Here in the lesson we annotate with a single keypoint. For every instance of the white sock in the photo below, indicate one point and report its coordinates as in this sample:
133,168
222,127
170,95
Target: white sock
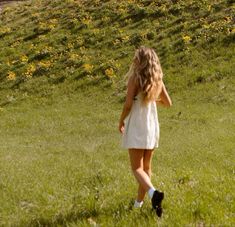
138,204
150,192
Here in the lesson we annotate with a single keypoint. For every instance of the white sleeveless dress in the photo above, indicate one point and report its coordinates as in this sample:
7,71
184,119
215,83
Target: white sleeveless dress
141,126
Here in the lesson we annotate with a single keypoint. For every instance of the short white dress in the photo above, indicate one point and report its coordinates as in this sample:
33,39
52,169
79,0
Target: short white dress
141,126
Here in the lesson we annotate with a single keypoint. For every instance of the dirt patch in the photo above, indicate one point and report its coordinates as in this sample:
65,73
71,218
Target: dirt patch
4,3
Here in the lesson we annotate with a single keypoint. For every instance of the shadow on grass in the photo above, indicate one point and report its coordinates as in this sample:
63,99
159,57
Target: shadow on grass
62,219
120,210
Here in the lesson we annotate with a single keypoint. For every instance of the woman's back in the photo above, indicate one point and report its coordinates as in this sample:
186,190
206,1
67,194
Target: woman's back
142,126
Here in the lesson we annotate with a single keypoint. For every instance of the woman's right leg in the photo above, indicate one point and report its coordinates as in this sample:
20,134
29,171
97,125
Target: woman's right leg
147,158
136,158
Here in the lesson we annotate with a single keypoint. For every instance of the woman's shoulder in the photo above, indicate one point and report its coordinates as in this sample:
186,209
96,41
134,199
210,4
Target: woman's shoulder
133,83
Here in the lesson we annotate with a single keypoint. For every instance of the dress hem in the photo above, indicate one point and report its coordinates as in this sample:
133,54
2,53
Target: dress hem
146,148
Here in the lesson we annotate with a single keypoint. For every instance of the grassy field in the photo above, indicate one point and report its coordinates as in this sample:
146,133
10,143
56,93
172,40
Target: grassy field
61,163
61,94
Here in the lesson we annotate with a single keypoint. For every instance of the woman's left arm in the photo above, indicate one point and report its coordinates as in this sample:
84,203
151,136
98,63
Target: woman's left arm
164,98
131,91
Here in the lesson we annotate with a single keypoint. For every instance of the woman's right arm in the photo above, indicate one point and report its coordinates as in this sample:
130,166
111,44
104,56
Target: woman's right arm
164,98
131,91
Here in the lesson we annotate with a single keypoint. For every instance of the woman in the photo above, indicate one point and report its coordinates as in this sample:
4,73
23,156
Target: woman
139,120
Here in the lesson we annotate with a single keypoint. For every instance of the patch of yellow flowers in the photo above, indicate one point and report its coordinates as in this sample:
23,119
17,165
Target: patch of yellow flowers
88,67
73,56
11,76
24,59
87,20
109,72
186,38
125,38
5,30
44,64
30,70
51,24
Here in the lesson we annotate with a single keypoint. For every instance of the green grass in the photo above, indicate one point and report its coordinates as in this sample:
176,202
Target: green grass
60,155
66,41
62,164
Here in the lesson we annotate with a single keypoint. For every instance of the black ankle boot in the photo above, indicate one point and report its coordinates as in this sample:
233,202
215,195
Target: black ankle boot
157,202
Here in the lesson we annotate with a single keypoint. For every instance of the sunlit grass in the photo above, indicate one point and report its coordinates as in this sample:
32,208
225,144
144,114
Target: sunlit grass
62,163
70,40
61,93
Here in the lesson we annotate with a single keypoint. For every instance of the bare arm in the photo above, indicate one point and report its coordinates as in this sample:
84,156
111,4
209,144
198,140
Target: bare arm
164,98
131,91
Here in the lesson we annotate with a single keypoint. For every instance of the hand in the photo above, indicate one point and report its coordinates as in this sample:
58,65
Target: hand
121,127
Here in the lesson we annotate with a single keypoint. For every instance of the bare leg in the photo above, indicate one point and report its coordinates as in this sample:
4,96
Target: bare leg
136,158
148,154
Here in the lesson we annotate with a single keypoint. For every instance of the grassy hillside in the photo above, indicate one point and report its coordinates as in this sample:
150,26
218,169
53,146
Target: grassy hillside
61,93
46,43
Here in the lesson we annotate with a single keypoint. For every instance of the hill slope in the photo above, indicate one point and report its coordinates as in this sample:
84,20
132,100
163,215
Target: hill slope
46,43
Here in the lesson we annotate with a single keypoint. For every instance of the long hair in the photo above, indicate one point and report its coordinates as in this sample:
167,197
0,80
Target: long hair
147,73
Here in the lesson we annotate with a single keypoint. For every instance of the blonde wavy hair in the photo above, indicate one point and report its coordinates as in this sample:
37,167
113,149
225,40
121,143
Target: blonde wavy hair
147,73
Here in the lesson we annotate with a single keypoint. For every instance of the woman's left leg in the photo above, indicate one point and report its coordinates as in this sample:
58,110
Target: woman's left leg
136,158
147,159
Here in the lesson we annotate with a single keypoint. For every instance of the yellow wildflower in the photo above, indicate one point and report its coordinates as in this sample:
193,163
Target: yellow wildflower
187,38
42,25
206,26
70,45
35,14
73,56
51,26
5,30
105,19
75,21
88,67
31,47
30,70
44,64
126,38
16,43
24,58
122,9
96,31
128,21
79,41
109,72
117,65
7,9
87,20
11,76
